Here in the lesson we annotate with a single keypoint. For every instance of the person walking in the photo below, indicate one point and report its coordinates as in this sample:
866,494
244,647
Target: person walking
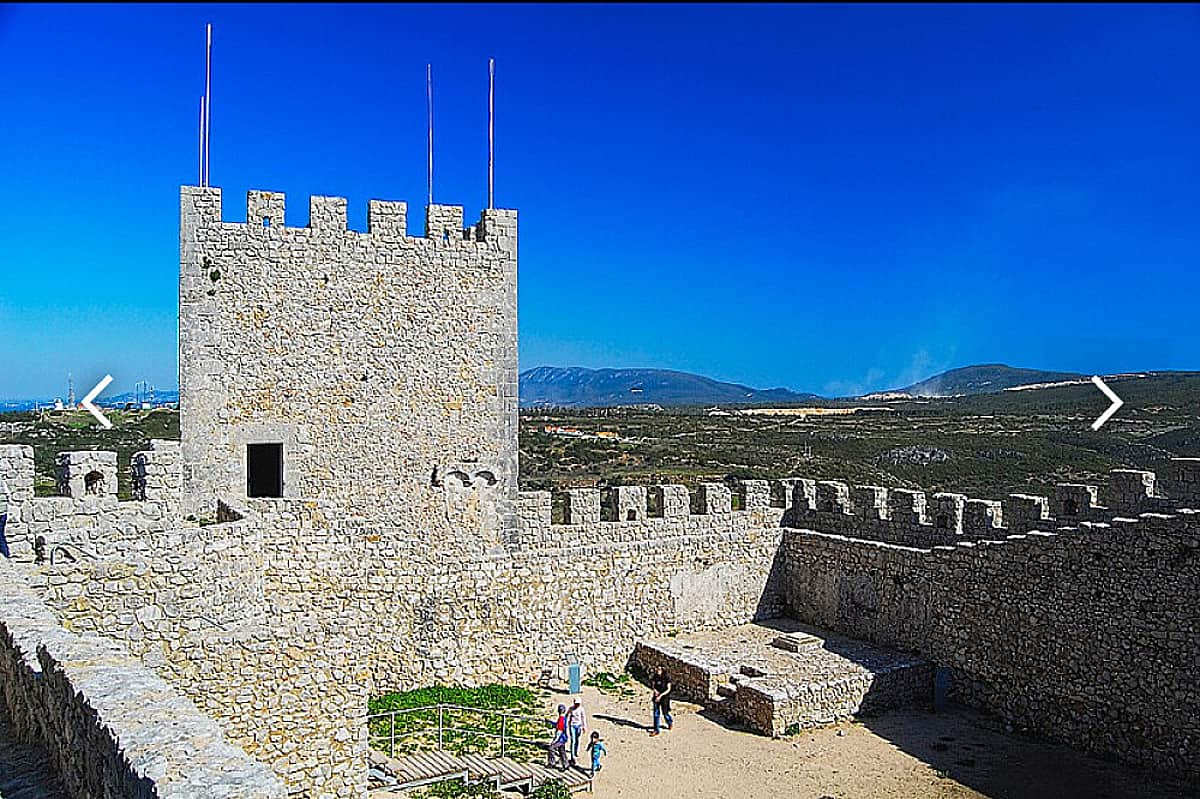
596,747
556,755
660,684
577,726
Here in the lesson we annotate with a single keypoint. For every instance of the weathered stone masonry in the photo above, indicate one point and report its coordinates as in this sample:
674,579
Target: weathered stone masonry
374,358
1084,631
401,552
110,726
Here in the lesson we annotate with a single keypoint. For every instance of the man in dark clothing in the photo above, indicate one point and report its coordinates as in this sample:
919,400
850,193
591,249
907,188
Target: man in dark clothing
661,687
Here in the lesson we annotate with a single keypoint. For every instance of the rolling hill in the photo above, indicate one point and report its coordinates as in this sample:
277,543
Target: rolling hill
983,379
576,387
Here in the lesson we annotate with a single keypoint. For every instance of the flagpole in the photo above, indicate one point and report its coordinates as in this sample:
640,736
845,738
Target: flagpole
491,127
200,129
207,102
429,109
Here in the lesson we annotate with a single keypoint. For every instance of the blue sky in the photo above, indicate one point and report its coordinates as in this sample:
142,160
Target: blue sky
834,199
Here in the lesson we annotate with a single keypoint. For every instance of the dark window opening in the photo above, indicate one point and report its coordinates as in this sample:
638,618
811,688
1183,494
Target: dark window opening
264,470
1070,508
943,521
266,221
631,515
93,483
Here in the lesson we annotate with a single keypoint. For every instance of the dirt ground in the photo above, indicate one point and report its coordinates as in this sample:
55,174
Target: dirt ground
901,754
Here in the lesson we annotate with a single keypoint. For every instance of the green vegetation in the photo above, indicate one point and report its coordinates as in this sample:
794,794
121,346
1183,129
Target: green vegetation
619,684
51,432
510,709
554,789
456,789
986,445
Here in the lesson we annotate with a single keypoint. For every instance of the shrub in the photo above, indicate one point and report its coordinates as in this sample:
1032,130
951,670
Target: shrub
554,789
456,789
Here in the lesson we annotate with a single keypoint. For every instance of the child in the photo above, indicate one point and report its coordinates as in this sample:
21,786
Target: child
596,747
556,754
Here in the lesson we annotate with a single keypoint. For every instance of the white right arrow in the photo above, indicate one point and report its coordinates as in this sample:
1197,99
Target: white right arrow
86,402
1117,402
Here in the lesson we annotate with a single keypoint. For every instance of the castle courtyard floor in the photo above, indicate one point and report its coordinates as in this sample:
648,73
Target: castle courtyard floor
899,754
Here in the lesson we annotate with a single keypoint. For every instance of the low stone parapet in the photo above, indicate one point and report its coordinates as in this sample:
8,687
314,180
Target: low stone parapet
110,725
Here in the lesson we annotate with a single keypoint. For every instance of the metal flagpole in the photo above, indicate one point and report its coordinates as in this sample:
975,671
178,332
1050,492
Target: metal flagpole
200,128
491,126
429,107
207,102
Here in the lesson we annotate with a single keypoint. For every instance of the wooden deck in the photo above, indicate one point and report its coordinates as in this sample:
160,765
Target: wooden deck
423,768
426,768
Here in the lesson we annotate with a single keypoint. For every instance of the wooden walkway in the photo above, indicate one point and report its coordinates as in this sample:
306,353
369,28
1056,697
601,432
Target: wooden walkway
426,768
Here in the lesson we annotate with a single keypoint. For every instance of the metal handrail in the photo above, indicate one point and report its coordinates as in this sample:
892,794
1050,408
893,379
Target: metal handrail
442,727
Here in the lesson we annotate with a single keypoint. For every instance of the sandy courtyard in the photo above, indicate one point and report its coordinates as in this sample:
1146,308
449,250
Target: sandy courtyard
900,754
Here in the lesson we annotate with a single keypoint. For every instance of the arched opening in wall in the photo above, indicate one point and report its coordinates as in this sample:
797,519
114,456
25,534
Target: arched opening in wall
1070,507
778,495
93,483
631,515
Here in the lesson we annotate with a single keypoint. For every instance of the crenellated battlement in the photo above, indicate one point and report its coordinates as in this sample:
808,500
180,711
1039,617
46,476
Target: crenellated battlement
386,219
351,352
1018,620
899,516
86,510
916,518
628,513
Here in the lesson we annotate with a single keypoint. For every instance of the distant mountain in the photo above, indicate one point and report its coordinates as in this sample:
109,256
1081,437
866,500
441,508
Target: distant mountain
160,398
578,387
983,379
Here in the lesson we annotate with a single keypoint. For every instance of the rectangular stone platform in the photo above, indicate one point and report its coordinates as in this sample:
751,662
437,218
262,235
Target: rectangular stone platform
781,674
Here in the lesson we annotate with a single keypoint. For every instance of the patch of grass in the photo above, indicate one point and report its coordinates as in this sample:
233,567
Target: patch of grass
554,789
607,682
456,789
463,731
493,696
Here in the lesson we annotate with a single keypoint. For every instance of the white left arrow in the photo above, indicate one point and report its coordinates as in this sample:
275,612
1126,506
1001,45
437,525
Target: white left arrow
1116,401
87,405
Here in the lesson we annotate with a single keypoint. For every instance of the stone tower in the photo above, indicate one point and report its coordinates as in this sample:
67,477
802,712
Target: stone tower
360,367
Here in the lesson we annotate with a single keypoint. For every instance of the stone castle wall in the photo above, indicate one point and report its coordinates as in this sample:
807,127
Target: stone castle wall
401,553
919,519
1080,631
189,600
381,361
110,726
92,519
504,616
